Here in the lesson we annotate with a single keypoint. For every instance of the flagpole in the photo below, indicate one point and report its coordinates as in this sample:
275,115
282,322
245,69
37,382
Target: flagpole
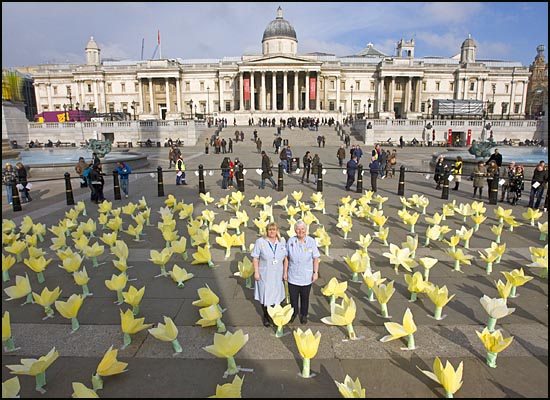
160,46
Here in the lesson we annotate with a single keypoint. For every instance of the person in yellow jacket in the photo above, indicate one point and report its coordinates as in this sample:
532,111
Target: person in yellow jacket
457,172
180,171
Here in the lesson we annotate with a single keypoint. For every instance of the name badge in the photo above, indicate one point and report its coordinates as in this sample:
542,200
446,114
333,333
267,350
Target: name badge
275,261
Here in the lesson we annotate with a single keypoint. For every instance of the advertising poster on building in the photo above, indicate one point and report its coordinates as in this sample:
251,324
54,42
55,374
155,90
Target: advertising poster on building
247,89
312,88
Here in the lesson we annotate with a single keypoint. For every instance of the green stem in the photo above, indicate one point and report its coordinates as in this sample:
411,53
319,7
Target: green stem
74,324
345,235
279,332
97,382
210,263
370,294
49,311
351,332
355,277
412,229
532,222
498,259
185,255
119,296
427,243
232,368
326,250
40,381
220,325
384,310
491,359
410,342
29,299
305,368
542,236
457,265
511,228
85,290
127,339
491,324
476,227
228,252
249,282
181,284
437,312
467,244
449,395
163,270
489,268
5,275
9,345
94,261
40,276
413,296
135,310
177,346
513,292
497,239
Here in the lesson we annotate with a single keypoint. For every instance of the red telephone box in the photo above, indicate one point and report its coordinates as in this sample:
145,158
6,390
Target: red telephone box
469,138
450,138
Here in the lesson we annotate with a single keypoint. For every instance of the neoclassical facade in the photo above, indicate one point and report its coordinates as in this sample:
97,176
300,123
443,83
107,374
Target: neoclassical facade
282,83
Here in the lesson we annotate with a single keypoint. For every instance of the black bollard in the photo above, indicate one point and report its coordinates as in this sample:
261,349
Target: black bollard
201,179
160,182
493,194
69,190
116,185
320,178
16,200
240,180
445,188
280,187
401,187
359,179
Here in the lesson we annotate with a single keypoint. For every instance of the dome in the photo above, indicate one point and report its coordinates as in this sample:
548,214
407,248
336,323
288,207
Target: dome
279,27
92,44
469,42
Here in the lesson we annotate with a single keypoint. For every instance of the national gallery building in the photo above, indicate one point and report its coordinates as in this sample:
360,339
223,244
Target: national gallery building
281,83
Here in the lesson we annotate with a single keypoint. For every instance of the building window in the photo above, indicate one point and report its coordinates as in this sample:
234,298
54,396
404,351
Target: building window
333,84
342,85
506,88
57,107
111,107
321,84
202,86
54,90
136,87
398,86
228,106
124,107
423,86
491,108
89,87
331,105
357,85
423,107
504,107
516,108
109,88
472,86
227,84
123,87
452,86
187,86
45,107
372,85
437,85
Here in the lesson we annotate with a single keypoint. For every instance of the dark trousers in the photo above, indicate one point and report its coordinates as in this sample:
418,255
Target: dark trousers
373,181
299,293
305,174
351,179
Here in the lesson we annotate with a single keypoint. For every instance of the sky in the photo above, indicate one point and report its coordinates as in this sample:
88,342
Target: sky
57,32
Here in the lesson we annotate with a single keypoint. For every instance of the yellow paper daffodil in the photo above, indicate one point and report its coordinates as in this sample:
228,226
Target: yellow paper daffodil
517,278
117,283
226,346
7,263
427,263
167,332
416,284
46,299
447,377
21,289
502,213
459,258
343,315
400,257
246,270
207,198
36,367
108,366
465,234
17,247
490,256
308,345
202,256
372,279
504,289
201,236
230,390
11,388
543,229
7,339
81,278
69,309
133,297
383,234
93,252
131,325
440,297
496,308
351,389
383,294
357,263
180,275
227,241
81,391
283,203
161,258
396,331
334,289
210,316
494,343
280,316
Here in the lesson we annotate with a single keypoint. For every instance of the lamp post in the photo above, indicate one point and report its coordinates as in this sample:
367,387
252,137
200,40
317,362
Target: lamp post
65,112
364,111
429,106
70,98
191,107
494,91
195,110
77,105
207,101
370,105
351,87
134,108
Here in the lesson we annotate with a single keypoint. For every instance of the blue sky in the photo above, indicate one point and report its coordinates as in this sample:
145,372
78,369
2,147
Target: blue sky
37,33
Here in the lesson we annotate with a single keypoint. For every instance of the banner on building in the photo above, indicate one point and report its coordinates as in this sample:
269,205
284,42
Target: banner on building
246,84
450,137
312,88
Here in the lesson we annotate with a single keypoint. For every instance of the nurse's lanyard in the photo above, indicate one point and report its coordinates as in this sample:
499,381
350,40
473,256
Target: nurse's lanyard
274,250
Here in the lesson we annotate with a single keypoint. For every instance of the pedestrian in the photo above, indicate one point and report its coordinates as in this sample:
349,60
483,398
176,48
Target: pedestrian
479,178
516,186
440,169
225,173
123,171
323,138
374,167
86,175
230,146
341,155
259,145
301,269
388,164
22,183
319,140
283,156
351,167
255,133
457,172
508,173
382,158
9,177
79,168
206,145
401,142
315,167
97,181
267,173
171,156
95,159
180,171
393,162
306,160
538,183
492,173
496,157
268,258
239,172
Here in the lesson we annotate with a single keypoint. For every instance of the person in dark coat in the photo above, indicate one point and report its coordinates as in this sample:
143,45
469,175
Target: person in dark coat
441,169
307,166
374,167
21,173
497,157
266,171
96,178
351,167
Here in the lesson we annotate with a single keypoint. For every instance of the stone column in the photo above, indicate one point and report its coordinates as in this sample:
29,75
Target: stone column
241,91
407,100
262,91
307,91
325,86
338,94
141,101
151,102
285,90
178,95
464,89
274,90
167,83
417,94
252,97
512,95
380,105
317,99
391,95
296,100
96,96
523,98
221,105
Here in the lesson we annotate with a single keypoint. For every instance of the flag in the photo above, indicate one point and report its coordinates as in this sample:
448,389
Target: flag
159,36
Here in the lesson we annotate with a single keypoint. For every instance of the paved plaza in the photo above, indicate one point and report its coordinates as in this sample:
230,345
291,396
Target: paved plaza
272,365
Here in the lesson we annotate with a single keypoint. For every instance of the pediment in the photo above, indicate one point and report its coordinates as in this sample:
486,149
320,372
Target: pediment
280,60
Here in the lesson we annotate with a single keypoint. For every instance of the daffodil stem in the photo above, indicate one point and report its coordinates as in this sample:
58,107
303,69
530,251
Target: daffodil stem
305,368
457,265
40,276
498,259
497,239
29,299
426,274
232,368
177,346
412,228
85,290
326,250
542,236
185,255
467,243
370,294
41,238
127,339
384,309
437,312
491,324
135,309
249,282
513,292
94,261
332,301
492,359
379,206
49,311
5,276
427,243
351,332
476,227
511,228
410,342
413,296
532,222
489,268
210,263
40,381
345,234
9,345
119,296
97,382
220,325
163,270
167,245
355,277
228,252
18,257
448,395
279,332
74,324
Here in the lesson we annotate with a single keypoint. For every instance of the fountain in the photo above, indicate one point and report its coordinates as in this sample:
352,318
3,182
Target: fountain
50,162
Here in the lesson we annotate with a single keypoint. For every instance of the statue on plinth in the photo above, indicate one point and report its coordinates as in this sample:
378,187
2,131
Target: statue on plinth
100,147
